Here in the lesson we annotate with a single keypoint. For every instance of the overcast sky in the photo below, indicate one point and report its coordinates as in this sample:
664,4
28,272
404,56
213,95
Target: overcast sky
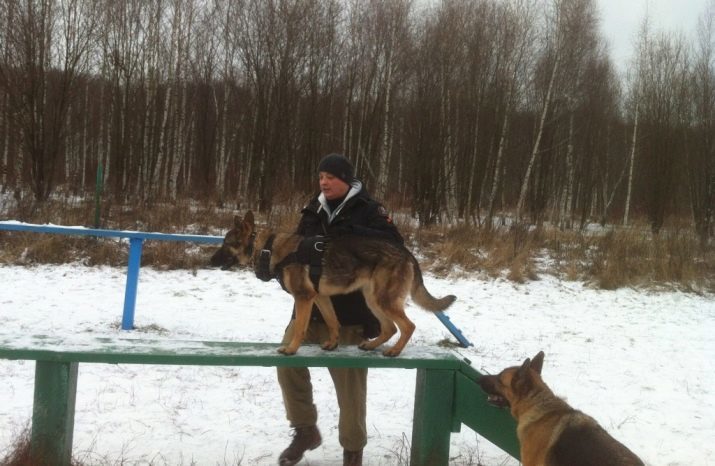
621,20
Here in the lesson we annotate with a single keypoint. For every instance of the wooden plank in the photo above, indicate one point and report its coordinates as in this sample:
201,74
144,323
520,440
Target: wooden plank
53,413
119,350
432,421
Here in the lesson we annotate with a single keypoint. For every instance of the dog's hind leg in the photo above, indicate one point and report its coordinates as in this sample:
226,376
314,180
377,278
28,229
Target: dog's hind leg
389,298
406,326
328,312
387,327
303,307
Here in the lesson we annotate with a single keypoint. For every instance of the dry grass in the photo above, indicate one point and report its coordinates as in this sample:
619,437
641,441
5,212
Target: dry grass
19,454
608,259
510,254
631,258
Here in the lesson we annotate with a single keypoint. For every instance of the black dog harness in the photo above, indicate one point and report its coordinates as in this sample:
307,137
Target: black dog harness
310,252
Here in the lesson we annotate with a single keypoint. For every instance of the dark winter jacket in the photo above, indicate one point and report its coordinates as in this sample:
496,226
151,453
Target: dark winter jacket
358,215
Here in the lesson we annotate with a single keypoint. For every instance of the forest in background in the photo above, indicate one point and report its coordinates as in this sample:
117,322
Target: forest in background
456,111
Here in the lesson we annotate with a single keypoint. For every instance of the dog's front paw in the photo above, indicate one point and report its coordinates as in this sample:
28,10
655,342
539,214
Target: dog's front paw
286,351
329,345
391,352
366,346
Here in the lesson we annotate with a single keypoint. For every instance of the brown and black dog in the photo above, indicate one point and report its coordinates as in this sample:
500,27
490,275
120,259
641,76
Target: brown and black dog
385,272
551,432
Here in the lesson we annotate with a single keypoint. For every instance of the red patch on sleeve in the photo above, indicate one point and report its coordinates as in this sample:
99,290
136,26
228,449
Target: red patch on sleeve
383,212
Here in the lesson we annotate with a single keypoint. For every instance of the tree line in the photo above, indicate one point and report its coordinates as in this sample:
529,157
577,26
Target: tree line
459,109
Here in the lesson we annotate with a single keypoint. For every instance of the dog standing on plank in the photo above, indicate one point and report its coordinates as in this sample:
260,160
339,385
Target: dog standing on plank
551,432
385,272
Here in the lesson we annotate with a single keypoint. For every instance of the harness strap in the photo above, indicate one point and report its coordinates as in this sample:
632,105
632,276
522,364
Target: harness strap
263,267
314,260
269,243
310,253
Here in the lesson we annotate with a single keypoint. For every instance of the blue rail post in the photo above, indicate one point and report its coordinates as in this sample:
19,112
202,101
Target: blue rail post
130,293
453,329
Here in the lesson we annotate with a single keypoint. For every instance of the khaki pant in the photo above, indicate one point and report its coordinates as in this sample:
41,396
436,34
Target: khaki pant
350,388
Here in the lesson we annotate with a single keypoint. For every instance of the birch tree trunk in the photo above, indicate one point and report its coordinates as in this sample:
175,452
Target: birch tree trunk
187,141
497,168
70,147
146,162
386,134
472,168
157,183
123,139
85,140
565,215
347,121
174,62
106,154
537,143
223,157
630,170
448,165
608,199
6,143
181,133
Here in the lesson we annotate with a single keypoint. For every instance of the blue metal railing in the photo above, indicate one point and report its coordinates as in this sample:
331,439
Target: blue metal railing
136,242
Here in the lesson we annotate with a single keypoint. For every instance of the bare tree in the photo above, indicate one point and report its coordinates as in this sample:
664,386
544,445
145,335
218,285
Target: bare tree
46,49
124,42
457,109
518,35
640,63
701,157
553,52
663,117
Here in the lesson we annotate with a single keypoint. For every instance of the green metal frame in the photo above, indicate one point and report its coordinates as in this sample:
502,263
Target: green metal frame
446,392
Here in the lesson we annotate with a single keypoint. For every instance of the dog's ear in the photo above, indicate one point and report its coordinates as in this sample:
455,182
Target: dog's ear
521,383
538,362
524,369
248,219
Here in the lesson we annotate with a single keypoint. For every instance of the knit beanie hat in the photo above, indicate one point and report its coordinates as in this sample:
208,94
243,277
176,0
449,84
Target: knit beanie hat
337,165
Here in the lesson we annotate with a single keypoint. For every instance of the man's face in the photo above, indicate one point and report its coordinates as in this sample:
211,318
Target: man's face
332,187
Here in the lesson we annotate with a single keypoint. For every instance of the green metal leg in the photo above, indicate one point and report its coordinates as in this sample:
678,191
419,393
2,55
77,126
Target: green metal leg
432,422
53,412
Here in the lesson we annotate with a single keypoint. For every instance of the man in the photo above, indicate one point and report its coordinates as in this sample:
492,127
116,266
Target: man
343,206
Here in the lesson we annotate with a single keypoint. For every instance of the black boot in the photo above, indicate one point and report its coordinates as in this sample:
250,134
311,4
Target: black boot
304,438
352,458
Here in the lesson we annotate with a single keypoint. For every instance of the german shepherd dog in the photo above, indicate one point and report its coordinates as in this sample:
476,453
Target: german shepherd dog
551,432
385,273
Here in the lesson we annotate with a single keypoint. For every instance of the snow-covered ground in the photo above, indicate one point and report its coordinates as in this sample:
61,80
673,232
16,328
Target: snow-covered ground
641,363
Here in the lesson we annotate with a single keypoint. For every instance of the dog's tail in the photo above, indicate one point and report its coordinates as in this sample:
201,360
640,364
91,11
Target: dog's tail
422,297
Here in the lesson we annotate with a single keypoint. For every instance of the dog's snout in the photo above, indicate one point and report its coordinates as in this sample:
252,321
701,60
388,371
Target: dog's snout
221,259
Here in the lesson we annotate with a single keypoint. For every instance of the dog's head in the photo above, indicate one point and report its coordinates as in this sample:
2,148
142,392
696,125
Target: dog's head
513,383
238,244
